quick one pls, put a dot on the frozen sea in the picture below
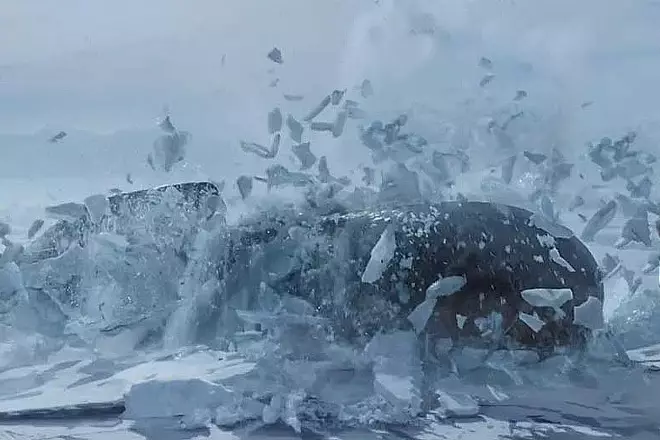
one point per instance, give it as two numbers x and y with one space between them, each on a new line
481 81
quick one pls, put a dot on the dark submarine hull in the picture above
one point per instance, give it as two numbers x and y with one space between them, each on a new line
499 250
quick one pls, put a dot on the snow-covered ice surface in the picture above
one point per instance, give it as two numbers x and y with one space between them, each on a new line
419 100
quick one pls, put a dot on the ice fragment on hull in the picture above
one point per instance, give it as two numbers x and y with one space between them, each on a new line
381 254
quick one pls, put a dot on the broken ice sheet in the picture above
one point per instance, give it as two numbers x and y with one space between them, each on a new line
275 56
274 121
318 109
589 314
304 154
420 316
295 128
532 321
381 255
97 206
445 287
553 298
244 184
599 220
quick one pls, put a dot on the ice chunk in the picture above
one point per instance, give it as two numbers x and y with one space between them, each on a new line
485 63
322 126
366 89
397 369
554 298
336 96
599 220
275 56
244 184
295 128
97 206
556 257
34 228
293 98
166 125
170 149
381 255
460 321
486 79
58 137
500 396
532 321
507 169
547 207
457 404
652 263
318 109
340 123
589 314
520 95
258 149
274 121
535 158
304 154
637 229
275 145
445 286
244 409
420 316
68 211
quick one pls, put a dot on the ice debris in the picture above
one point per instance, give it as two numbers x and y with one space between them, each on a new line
304 154
293 98
486 79
244 184
535 158
366 89
5 229
318 109
397 370
58 137
278 175
381 255
98 207
339 124
260 150
532 321
553 298
636 229
275 56
274 121
322 126
420 316
295 128
33 229
445 286
556 257
589 314
455 405
599 220
520 95
336 96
